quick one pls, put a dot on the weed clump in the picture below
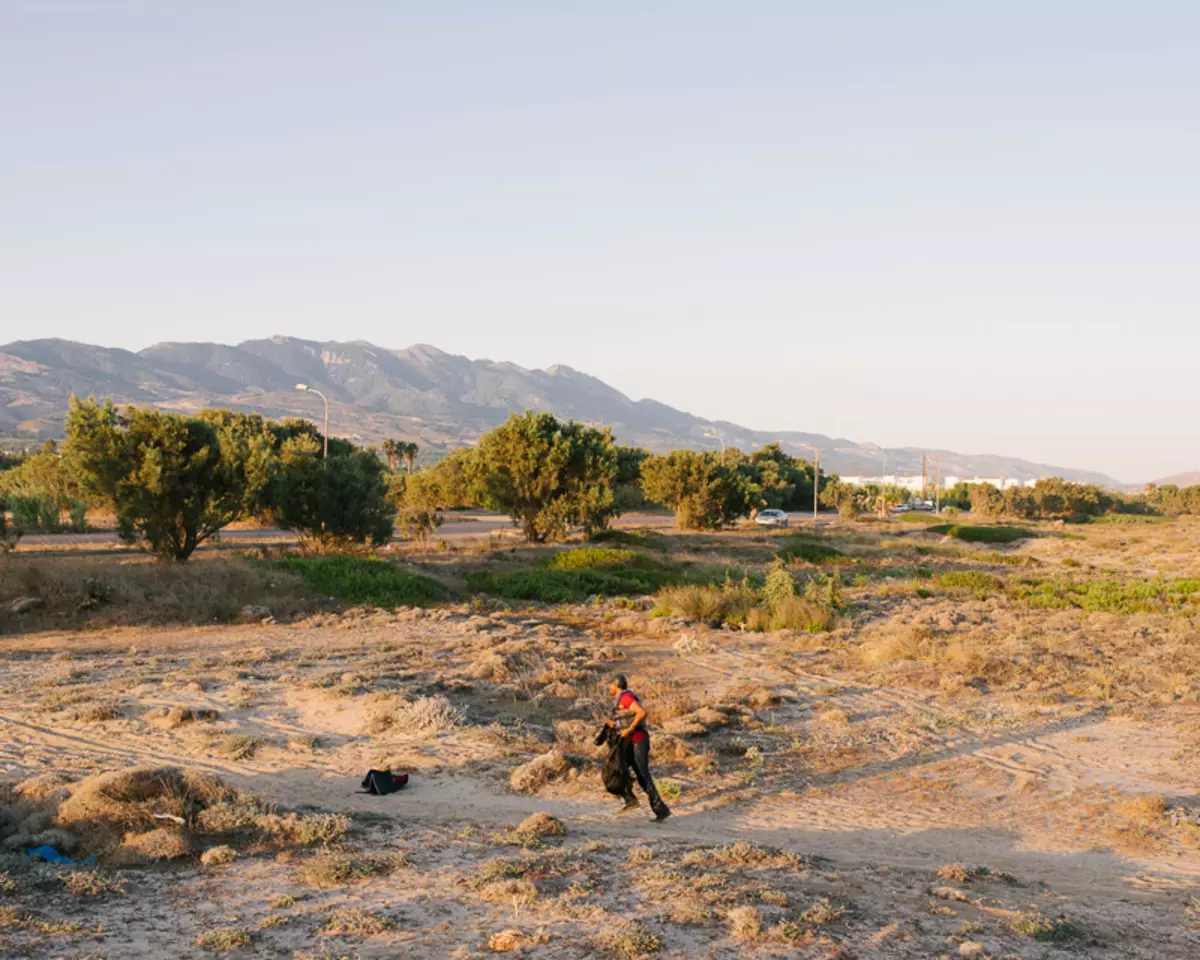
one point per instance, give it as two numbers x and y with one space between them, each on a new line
982 534
367 581
808 550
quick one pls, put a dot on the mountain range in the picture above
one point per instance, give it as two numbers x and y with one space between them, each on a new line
421 393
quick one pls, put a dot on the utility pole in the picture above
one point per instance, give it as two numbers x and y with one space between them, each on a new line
924 475
816 480
937 461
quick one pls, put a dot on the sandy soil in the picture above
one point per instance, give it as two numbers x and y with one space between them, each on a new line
813 810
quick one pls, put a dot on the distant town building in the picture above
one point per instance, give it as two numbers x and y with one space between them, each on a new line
914 483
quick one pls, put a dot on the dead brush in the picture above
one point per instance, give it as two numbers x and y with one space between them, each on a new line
426 715
97 591
356 922
337 868
172 718
136 800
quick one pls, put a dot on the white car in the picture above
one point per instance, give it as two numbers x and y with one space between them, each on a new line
771 518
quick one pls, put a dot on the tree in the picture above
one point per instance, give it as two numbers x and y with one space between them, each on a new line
331 503
546 475
409 451
169 485
390 450
986 500
419 508
41 488
705 491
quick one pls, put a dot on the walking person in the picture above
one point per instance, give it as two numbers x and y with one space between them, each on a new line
629 720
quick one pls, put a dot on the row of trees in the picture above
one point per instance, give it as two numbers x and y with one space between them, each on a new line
174 482
550 476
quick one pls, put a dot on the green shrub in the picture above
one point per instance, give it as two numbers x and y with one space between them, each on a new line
980 534
1113 596
365 581
598 558
979 584
809 550
570 585
728 603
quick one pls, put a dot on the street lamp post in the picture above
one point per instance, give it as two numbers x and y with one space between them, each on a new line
305 388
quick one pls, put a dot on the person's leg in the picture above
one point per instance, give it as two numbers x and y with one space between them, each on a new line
641 767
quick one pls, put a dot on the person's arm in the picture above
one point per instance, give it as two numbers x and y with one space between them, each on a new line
639 714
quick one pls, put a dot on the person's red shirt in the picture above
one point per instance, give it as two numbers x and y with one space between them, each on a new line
625 702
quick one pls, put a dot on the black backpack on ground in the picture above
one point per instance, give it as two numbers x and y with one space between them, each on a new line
615 773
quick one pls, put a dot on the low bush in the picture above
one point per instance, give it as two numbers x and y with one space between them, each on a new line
982 534
363 580
599 558
1113 596
980 585
810 551
558 585
776 606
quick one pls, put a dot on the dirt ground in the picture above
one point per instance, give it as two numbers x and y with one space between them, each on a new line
946 773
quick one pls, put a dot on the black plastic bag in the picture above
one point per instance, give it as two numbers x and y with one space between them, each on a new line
383 782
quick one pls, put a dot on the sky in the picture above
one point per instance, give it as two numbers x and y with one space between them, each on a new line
957 225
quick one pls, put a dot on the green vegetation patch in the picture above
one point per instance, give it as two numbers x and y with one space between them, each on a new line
1130 519
812 551
646 539
363 580
982 534
1113 596
576 575
600 558
979 584
569 586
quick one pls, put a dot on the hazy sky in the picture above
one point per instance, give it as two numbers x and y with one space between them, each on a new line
962 225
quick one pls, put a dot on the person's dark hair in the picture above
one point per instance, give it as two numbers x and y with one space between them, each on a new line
620 682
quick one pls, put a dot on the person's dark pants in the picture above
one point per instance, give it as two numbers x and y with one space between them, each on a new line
637 758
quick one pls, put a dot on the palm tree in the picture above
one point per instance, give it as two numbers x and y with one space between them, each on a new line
390 449
409 452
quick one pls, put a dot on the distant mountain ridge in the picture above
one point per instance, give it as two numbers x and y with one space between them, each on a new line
421 393
1180 480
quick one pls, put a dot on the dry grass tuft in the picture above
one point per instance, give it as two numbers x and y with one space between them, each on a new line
517 891
356 922
217 856
745 923
102 807
532 776
164 843
541 825
85 883
171 718
629 940
336 868
225 940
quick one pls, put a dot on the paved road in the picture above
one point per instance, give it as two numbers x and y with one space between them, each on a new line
458 526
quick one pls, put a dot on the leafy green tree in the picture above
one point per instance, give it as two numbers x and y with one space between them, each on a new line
546 475
705 491
419 508
986 500
335 503
164 474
